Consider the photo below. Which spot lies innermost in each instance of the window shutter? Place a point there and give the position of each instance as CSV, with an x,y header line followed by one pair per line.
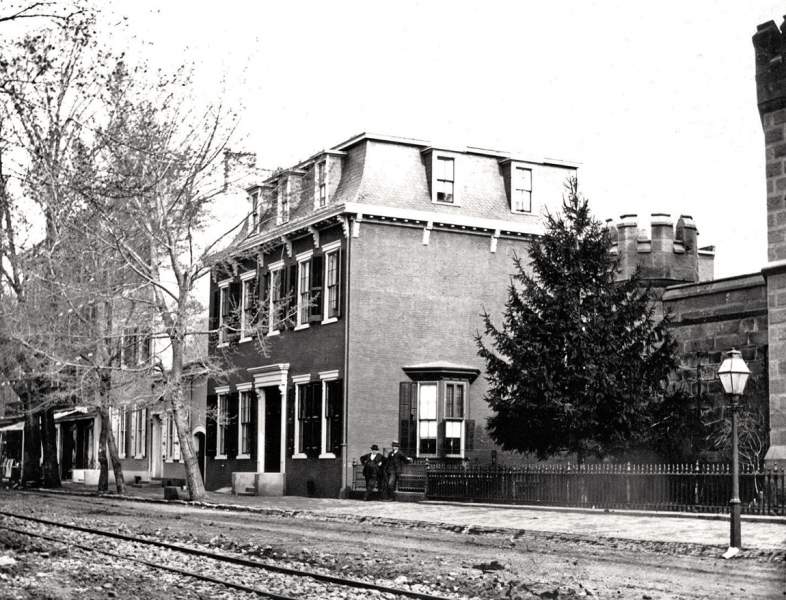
x,y
290,433
252,429
164,434
338,286
175,440
210,427
133,432
469,435
291,296
315,310
231,428
407,410
235,299
260,296
143,416
315,419
335,409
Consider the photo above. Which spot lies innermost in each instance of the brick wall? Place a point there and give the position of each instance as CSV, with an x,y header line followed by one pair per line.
x,y
412,303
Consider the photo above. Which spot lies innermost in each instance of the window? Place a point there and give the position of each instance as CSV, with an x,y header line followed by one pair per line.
x,y
255,210
118,418
332,271
244,424
304,292
138,432
321,184
171,439
454,419
445,180
433,418
130,356
308,404
248,315
222,414
427,419
283,201
276,297
224,313
521,197
146,348
319,408
332,411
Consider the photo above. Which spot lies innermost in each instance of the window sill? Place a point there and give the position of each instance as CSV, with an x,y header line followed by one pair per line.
x,y
138,456
327,455
274,332
171,460
301,327
521,212
243,456
223,345
299,456
220,457
330,320
244,340
446,203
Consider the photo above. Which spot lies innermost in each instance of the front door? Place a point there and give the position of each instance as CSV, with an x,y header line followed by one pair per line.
x,y
272,430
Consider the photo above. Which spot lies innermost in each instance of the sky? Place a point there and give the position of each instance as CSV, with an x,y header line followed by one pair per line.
x,y
656,101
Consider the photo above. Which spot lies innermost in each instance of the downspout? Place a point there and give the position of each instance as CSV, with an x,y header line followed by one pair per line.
x,y
345,387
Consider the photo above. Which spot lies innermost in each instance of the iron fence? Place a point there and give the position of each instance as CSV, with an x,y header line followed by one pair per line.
x,y
697,488
682,487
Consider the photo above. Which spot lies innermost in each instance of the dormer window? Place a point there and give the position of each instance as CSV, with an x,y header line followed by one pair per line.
x,y
283,201
521,190
255,209
321,184
445,179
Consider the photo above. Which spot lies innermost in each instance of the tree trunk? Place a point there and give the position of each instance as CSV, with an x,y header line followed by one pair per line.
x,y
31,473
103,475
110,444
194,483
51,469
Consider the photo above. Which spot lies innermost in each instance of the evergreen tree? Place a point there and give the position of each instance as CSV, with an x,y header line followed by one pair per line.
x,y
580,361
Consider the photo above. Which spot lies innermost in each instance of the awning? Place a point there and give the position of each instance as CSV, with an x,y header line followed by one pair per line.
x,y
13,426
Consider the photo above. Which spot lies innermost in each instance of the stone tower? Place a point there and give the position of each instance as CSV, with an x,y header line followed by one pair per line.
x,y
770,43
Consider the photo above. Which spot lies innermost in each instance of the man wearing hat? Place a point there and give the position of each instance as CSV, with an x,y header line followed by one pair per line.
x,y
372,470
394,464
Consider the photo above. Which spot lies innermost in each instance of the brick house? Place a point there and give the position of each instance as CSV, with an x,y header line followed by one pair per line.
x,y
374,261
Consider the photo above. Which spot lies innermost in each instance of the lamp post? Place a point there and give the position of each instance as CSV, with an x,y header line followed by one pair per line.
x,y
733,373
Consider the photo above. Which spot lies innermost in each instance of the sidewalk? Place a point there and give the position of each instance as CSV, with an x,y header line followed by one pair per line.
x,y
761,534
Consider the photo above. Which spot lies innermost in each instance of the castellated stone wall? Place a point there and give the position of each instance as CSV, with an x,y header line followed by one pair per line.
x,y
666,255
769,43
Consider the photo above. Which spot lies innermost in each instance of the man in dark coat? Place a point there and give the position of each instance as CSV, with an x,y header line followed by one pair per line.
x,y
372,470
394,464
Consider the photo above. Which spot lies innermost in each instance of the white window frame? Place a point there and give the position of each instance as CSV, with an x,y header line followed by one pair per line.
x,y
462,420
297,381
223,290
515,187
328,250
222,392
244,391
273,327
139,433
436,386
436,156
326,377
320,167
244,326
303,259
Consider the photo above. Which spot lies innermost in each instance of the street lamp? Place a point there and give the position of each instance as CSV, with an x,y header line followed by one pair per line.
x,y
733,373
